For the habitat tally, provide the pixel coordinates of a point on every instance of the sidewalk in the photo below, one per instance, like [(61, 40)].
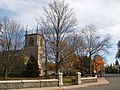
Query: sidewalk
[(101, 81)]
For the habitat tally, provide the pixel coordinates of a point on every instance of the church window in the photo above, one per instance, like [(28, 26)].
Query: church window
[(41, 42), (31, 41)]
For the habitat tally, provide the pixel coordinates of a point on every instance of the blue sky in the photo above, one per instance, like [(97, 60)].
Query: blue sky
[(105, 14)]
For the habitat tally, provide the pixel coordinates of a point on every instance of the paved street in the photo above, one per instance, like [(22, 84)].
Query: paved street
[(113, 85)]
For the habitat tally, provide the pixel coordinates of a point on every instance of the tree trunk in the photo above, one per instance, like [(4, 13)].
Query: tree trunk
[(90, 65), (57, 71), (5, 77), (5, 74), (57, 56)]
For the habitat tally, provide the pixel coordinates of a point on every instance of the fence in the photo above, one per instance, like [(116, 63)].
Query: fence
[(17, 84)]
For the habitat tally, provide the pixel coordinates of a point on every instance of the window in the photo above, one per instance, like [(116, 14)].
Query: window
[(41, 42), (31, 41)]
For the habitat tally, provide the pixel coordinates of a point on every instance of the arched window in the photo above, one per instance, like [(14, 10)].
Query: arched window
[(31, 41), (41, 42)]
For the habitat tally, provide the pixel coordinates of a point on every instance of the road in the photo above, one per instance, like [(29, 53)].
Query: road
[(113, 85)]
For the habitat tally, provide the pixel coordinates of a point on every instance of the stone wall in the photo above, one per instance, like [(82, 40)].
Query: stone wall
[(89, 80), (80, 80), (17, 84)]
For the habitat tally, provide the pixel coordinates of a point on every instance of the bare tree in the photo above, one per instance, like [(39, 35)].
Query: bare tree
[(93, 43), (11, 36), (60, 21)]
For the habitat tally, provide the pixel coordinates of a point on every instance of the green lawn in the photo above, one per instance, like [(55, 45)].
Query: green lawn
[(26, 78), (69, 80)]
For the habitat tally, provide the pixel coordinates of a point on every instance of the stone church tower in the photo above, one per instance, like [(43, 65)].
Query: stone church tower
[(34, 45)]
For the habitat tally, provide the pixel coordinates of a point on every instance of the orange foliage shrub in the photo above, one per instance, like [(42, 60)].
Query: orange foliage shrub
[(98, 63)]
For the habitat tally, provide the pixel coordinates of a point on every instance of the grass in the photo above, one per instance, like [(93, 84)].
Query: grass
[(69, 80), (26, 78)]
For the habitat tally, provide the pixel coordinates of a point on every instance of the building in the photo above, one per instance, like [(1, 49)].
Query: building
[(34, 45)]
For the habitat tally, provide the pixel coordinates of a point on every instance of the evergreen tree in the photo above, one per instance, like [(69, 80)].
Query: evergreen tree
[(116, 63), (32, 69), (118, 52)]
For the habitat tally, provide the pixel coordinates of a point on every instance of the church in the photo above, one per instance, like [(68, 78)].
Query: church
[(34, 45)]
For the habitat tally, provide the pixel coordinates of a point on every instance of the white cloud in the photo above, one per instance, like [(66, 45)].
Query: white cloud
[(98, 12), (26, 10)]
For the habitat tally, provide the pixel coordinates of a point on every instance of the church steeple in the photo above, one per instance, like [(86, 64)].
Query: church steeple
[(26, 32), (37, 29), (34, 45)]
